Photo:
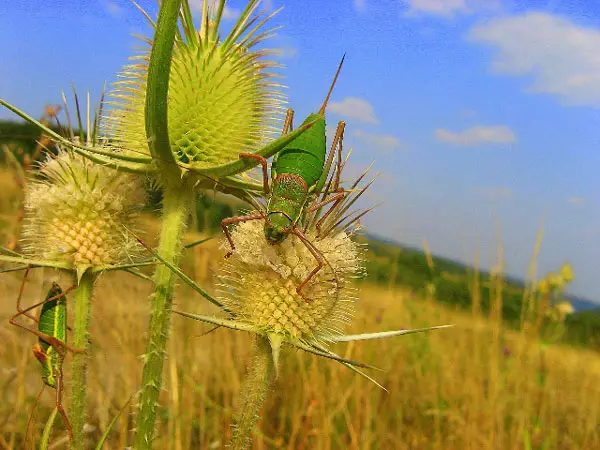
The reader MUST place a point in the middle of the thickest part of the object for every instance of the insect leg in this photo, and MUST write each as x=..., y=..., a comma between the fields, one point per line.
x=337, y=143
x=288, y=123
x=32, y=415
x=318, y=257
x=59, y=406
x=20, y=297
x=337, y=199
x=263, y=162
x=232, y=220
x=51, y=340
x=317, y=205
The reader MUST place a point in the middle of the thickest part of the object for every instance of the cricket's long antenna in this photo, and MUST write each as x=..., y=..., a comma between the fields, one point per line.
x=322, y=110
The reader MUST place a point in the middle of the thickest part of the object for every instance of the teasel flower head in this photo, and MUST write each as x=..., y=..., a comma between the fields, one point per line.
x=223, y=97
x=258, y=283
x=76, y=212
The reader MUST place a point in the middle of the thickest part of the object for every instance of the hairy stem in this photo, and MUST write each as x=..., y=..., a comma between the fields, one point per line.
x=253, y=393
x=81, y=327
x=176, y=205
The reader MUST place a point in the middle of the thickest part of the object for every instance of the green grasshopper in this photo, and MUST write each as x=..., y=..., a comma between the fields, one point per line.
x=299, y=173
x=51, y=348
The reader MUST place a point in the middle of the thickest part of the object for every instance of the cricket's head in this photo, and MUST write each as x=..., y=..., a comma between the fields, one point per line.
x=54, y=292
x=277, y=227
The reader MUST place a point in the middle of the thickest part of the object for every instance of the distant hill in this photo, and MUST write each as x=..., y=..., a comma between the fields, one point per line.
x=582, y=304
x=579, y=303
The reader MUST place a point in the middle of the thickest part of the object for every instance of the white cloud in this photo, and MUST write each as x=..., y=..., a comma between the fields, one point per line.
x=496, y=193
x=381, y=142
x=562, y=57
x=286, y=51
x=577, y=201
x=449, y=8
x=354, y=108
x=478, y=135
x=113, y=9
x=230, y=13
x=437, y=7
x=360, y=5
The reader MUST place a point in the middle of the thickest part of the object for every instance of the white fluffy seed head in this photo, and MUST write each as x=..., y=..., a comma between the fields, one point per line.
x=259, y=281
x=75, y=212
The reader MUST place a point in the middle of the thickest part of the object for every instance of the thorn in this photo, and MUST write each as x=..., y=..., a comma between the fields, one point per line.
x=81, y=269
x=275, y=339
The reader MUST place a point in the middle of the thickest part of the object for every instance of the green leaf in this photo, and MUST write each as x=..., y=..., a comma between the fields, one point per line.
x=112, y=424
x=384, y=334
x=45, y=443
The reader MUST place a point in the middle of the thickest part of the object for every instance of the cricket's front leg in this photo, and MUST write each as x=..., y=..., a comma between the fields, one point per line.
x=21, y=311
x=263, y=163
x=318, y=257
x=235, y=220
x=58, y=345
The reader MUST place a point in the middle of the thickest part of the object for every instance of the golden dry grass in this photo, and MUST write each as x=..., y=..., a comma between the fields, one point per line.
x=451, y=389
x=474, y=386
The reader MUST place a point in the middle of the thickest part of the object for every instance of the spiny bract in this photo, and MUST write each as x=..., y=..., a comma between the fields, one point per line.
x=221, y=99
x=76, y=211
x=258, y=284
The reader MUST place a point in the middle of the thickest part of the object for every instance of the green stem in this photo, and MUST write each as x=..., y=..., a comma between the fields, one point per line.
x=253, y=393
x=45, y=442
x=176, y=205
x=157, y=89
x=81, y=326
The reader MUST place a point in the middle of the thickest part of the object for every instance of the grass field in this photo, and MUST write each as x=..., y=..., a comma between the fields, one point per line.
x=473, y=386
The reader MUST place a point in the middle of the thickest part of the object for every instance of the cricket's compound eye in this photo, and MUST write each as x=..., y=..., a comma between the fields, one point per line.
x=273, y=236
x=277, y=227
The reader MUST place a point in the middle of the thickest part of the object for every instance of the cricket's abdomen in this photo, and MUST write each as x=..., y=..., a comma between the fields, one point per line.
x=305, y=155
x=49, y=362
x=53, y=318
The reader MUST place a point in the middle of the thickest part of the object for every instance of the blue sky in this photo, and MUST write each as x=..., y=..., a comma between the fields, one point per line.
x=477, y=113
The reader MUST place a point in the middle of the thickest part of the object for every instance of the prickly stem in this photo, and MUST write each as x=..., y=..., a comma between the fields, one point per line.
x=253, y=392
x=176, y=205
x=82, y=307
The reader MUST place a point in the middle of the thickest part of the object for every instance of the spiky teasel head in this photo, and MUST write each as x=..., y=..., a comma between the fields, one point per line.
x=221, y=98
x=259, y=283
x=260, y=280
x=75, y=213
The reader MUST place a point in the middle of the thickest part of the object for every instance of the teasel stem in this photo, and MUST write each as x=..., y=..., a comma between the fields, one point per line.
x=176, y=206
x=253, y=392
x=177, y=197
x=81, y=326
